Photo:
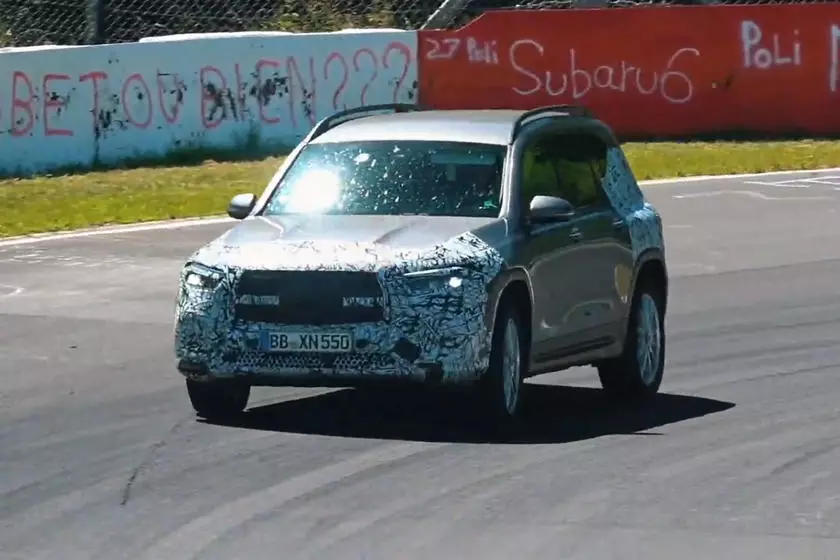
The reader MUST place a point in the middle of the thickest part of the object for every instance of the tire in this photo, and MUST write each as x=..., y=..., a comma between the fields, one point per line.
x=501, y=386
x=636, y=375
x=218, y=399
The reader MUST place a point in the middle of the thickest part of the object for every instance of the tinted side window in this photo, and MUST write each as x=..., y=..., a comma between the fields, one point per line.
x=594, y=151
x=598, y=157
x=566, y=165
x=539, y=176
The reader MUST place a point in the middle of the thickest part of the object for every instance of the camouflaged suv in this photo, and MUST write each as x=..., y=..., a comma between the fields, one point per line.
x=443, y=248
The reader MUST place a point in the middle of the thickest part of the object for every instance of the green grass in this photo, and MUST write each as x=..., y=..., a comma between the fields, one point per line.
x=675, y=159
x=54, y=203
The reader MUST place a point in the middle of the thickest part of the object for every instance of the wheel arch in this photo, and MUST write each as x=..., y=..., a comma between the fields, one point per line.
x=511, y=283
x=650, y=266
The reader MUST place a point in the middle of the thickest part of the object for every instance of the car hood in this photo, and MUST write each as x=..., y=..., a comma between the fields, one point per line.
x=351, y=242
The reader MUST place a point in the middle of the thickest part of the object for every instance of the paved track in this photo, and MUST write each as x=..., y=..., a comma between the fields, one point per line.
x=101, y=457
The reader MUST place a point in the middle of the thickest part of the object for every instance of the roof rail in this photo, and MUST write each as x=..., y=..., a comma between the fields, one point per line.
x=570, y=110
x=349, y=114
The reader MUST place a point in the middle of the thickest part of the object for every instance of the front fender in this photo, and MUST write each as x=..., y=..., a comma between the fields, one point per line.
x=497, y=287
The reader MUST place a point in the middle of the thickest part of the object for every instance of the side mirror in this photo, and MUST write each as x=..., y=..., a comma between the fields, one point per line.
x=550, y=209
x=241, y=205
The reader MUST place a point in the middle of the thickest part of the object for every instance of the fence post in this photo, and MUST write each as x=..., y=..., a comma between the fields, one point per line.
x=95, y=15
x=445, y=14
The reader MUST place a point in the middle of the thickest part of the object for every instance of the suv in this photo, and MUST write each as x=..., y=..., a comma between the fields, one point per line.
x=446, y=248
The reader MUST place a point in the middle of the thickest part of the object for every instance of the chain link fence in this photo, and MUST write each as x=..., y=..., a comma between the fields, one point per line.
x=68, y=22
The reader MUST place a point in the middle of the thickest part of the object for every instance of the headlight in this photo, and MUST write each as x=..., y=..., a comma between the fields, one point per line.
x=201, y=277
x=436, y=280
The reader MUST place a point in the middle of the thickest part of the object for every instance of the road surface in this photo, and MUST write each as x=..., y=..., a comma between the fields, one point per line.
x=102, y=458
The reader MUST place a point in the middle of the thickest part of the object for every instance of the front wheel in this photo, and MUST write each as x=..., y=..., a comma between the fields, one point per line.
x=638, y=372
x=218, y=399
x=502, y=385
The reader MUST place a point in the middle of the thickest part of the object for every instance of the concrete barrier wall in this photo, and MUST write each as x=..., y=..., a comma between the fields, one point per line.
x=76, y=106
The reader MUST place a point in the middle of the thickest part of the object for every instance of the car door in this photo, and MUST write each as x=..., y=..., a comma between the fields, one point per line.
x=547, y=251
x=607, y=262
x=596, y=275
x=593, y=264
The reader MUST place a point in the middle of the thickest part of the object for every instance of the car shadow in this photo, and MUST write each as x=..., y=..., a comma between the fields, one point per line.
x=554, y=414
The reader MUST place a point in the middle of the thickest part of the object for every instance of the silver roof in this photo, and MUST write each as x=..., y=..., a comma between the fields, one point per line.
x=479, y=126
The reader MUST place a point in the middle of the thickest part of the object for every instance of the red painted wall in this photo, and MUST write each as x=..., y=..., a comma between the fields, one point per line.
x=648, y=71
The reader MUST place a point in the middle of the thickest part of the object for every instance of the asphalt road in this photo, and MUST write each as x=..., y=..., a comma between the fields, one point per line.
x=101, y=457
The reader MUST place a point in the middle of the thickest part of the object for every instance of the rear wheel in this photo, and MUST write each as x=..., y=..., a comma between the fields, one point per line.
x=501, y=387
x=218, y=399
x=638, y=372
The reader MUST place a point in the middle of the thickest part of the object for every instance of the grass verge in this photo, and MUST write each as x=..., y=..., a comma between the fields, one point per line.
x=54, y=203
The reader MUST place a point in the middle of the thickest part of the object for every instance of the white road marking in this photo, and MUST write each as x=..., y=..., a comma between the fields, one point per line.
x=113, y=230
x=833, y=181
x=784, y=184
x=39, y=257
x=696, y=178
x=11, y=291
x=192, y=222
x=800, y=183
x=751, y=194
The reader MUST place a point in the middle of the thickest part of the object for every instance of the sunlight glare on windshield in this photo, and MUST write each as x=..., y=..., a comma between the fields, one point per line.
x=316, y=190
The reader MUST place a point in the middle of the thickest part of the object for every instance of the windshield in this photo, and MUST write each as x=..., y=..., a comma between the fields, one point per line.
x=388, y=177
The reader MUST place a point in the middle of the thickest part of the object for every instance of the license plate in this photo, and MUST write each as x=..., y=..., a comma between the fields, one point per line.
x=272, y=341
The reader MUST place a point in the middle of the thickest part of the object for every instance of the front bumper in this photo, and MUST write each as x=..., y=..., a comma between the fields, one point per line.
x=426, y=338
x=381, y=351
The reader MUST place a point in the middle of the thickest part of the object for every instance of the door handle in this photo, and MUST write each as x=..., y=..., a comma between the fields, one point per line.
x=618, y=223
x=575, y=235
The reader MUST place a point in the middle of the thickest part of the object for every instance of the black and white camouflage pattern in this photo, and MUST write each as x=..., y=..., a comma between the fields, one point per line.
x=437, y=324
x=643, y=221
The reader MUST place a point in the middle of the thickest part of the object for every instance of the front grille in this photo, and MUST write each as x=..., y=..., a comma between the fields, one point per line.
x=309, y=297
